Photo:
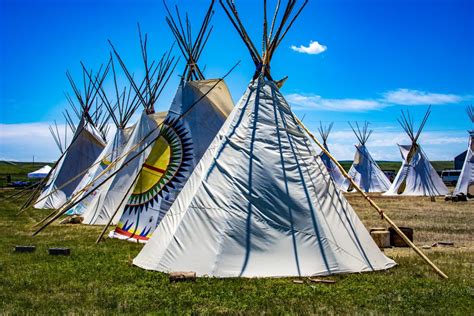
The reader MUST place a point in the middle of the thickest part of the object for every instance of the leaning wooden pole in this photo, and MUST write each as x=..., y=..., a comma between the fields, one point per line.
x=375, y=206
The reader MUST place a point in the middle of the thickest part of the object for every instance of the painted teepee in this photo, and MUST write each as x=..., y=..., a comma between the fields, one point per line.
x=465, y=183
x=108, y=200
x=260, y=202
x=333, y=170
x=416, y=175
x=197, y=112
x=88, y=141
x=364, y=170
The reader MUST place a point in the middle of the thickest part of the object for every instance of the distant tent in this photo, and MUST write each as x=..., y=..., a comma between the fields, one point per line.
x=86, y=145
x=364, y=170
x=197, y=112
x=108, y=200
x=416, y=175
x=465, y=183
x=260, y=202
x=40, y=173
x=333, y=170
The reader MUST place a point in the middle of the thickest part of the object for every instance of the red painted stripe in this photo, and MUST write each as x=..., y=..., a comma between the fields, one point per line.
x=128, y=234
x=155, y=168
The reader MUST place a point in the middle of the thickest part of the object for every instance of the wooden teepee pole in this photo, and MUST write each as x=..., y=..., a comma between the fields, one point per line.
x=375, y=206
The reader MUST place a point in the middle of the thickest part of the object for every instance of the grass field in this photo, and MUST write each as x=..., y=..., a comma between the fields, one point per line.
x=18, y=171
x=99, y=279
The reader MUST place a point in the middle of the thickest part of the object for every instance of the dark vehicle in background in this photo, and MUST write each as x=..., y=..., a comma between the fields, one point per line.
x=451, y=176
x=19, y=184
x=391, y=174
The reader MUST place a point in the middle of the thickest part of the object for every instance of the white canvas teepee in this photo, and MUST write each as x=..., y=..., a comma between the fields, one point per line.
x=85, y=146
x=364, y=170
x=333, y=170
x=108, y=200
x=197, y=112
x=260, y=202
x=182, y=142
x=110, y=196
x=465, y=183
x=121, y=111
x=40, y=173
x=416, y=175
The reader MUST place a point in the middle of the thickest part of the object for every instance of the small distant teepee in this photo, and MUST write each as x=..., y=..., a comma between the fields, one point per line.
x=334, y=172
x=364, y=170
x=465, y=183
x=416, y=175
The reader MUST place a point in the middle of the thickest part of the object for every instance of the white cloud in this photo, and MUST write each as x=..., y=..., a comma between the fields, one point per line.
x=313, y=48
x=23, y=141
x=416, y=97
x=316, y=102
x=383, y=145
x=390, y=98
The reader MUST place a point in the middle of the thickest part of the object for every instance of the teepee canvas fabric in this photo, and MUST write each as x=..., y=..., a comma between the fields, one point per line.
x=111, y=196
x=334, y=172
x=260, y=203
x=366, y=173
x=84, y=149
x=465, y=183
x=416, y=175
x=41, y=173
x=195, y=116
x=100, y=170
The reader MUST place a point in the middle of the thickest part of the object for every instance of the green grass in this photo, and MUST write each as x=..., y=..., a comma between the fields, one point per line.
x=99, y=279
x=18, y=171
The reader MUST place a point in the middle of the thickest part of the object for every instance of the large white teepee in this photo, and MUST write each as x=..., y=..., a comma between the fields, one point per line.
x=333, y=170
x=364, y=170
x=197, y=112
x=260, y=202
x=465, y=183
x=416, y=175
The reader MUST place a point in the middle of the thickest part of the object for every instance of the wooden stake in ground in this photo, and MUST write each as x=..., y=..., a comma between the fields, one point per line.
x=375, y=206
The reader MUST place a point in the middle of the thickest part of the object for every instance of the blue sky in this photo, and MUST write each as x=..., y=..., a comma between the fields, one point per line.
x=374, y=58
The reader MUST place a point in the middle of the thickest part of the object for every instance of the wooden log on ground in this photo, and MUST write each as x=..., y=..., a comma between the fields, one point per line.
x=396, y=240
x=59, y=251
x=182, y=276
x=23, y=249
x=381, y=238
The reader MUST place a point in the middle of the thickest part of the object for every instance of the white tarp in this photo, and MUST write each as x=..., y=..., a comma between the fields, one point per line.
x=416, y=175
x=110, y=197
x=84, y=149
x=40, y=173
x=260, y=203
x=366, y=173
x=465, y=183
x=197, y=113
